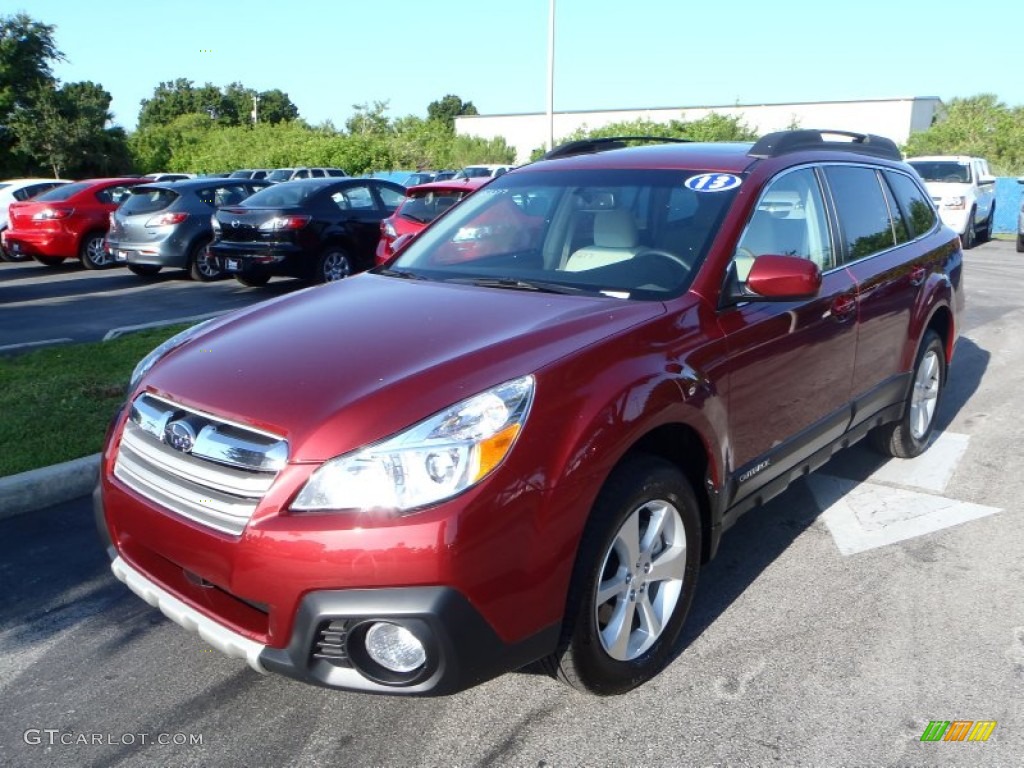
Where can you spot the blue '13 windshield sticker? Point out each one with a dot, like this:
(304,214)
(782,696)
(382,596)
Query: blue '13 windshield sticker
(712,182)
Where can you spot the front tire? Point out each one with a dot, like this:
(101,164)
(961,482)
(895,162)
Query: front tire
(92,252)
(909,437)
(633,582)
(970,237)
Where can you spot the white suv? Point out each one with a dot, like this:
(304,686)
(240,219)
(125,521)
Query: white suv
(964,191)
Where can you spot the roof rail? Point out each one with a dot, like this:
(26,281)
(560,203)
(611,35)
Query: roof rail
(783,142)
(590,146)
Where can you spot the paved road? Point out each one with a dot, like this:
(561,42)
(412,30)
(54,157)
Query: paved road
(795,653)
(40,305)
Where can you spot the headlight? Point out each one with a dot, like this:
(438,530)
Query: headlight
(955,203)
(427,463)
(175,341)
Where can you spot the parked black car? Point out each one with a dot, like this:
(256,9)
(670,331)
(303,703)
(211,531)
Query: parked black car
(168,225)
(317,229)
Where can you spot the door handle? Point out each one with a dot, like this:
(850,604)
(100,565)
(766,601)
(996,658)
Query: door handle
(842,308)
(917,274)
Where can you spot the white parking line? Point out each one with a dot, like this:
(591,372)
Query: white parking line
(27,344)
(899,501)
(113,333)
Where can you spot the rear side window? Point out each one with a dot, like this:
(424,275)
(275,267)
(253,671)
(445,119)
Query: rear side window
(227,194)
(148,201)
(336,172)
(916,205)
(62,193)
(116,195)
(863,214)
(390,198)
(354,199)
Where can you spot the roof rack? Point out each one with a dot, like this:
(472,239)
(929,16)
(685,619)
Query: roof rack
(590,146)
(784,142)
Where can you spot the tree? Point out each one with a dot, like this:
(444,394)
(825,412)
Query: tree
(65,128)
(276,107)
(978,125)
(712,127)
(446,109)
(369,120)
(27,51)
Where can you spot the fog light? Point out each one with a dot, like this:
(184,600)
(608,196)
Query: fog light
(395,648)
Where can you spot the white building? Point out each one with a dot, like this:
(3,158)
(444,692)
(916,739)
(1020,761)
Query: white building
(893,118)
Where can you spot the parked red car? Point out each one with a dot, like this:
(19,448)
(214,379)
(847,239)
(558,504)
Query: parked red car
(423,203)
(68,222)
(415,479)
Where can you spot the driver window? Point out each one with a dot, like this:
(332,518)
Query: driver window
(789,221)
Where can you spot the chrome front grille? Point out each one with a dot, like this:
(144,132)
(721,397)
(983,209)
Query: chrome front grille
(196,465)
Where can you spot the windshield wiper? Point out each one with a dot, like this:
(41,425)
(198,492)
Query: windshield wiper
(519,285)
(402,273)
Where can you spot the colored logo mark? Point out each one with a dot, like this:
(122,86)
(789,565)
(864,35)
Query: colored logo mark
(958,730)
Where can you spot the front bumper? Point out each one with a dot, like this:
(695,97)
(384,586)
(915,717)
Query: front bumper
(461,648)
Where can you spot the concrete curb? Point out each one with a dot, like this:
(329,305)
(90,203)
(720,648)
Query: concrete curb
(39,488)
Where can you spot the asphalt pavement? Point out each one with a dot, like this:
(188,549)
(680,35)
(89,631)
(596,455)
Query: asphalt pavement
(835,624)
(42,306)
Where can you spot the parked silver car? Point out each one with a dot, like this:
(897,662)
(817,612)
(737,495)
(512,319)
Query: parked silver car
(168,225)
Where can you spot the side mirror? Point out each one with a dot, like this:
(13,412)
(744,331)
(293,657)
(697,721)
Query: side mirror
(778,278)
(986,179)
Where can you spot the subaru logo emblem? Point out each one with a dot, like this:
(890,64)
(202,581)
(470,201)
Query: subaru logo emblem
(180,436)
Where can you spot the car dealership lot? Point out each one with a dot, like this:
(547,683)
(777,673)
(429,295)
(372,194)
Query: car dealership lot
(795,651)
(43,305)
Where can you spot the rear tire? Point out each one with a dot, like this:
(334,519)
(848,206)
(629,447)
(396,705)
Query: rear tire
(203,266)
(633,582)
(909,437)
(334,265)
(144,270)
(92,253)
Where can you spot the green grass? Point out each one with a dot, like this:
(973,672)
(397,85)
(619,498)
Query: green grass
(56,403)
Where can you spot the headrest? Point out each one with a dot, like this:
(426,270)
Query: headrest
(614,229)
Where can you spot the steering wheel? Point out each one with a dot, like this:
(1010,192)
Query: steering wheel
(665,255)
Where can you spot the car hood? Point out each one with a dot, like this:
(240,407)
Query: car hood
(336,367)
(946,188)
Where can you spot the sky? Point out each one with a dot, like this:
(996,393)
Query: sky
(330,55)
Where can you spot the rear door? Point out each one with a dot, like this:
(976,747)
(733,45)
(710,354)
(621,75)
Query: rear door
(361,214)
(789,363)
(883,216)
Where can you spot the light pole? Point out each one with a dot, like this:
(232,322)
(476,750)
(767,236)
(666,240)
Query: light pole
(551,76)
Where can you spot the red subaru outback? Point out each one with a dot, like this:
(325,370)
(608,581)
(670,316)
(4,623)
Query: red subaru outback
(444,469)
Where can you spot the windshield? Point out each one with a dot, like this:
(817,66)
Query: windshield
(147,201)
(627,234)
(282,196)
(473,172)
(943,170)
(424,207)
(281,174)
(61,193)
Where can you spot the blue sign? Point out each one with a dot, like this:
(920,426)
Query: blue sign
(712,182)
